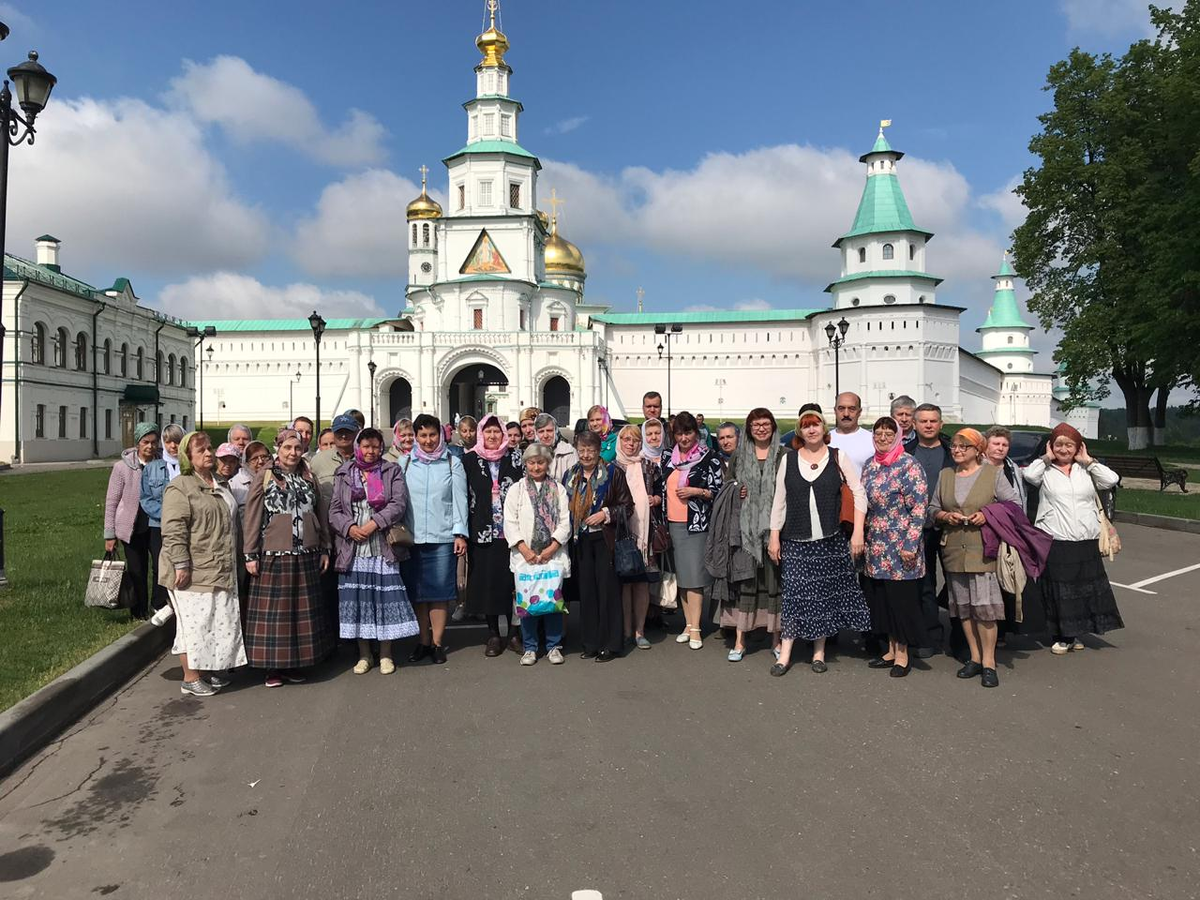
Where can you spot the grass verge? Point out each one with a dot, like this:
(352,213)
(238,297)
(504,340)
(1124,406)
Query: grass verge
(53,526)
(1160,503)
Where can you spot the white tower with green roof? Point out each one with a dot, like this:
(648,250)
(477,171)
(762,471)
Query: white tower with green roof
(1005,334)
(883,253)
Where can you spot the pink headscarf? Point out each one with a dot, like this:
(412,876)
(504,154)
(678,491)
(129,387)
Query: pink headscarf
(499,452)
(372,491)
(440,451)
(886,459)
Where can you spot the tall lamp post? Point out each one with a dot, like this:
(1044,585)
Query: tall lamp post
(318,329)
(207,332)
(667,332)
(602,362)
(291,399)
(719,384)
(837,337)
(371,367)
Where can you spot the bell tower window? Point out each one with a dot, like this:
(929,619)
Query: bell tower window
(485,193)
(425,234)
(912,251)
(889,252)
(862,254)
(477,319)
(514,195)
(414,234)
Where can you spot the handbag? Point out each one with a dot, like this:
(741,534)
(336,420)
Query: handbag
(627,558)
(846,506)
(668,591)
(462,574)
(660,535)
(1110,541)
(399,536)
(104,582)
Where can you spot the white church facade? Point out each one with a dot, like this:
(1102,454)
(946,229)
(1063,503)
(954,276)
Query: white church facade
(495,319)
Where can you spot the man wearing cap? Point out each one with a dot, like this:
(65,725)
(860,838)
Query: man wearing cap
(325,462)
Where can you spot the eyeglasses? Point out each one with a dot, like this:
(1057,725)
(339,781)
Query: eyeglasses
(961,448)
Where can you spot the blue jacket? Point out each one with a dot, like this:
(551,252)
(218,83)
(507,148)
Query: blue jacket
(437,499)
(155,479)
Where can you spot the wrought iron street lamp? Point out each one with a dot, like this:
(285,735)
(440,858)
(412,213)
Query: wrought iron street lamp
(666,332)
(207,332)
(318,328)
(837,337)
(371,370)
(291,398)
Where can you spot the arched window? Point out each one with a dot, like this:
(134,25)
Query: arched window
(38,349)
(183,382)
(140,364)
(158,367)
(123,360)
(81,346)
(889,252)
(60,348)
(106,358)
(890,298)
(862,254)
(425,234)
(912,251)
(414,231)
(171,369)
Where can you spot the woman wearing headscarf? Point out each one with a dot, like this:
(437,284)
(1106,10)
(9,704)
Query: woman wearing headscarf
(821,593)
(126,521)
(155,478)
(599,500)
(652,453)
(437,519)
(463,438)
(1075,588)
(199,568)
(692,476)
(286,545)
(974,590)
(753,466)
(547,432)
(369,497)
(537,527)
(490,474)
(403,438)
(599,422)
(653,441)
(646,489)
(896,502)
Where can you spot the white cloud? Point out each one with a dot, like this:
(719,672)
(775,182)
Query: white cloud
(16,20)
(251,106)
(565,126)
(125,184)
(228,295)
(1112,18)
(753,305)
(1006,204)
(358,227)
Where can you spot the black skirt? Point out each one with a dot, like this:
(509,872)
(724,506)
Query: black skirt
(896,610)
(1075,591)
(490,584)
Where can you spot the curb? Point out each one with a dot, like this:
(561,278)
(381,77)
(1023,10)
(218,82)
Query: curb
(1169,523)
(31,724)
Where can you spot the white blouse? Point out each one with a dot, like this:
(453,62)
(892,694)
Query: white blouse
(809,474)
(1067,505)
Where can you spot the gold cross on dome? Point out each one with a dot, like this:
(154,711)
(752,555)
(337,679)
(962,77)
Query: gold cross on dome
(424,170)
(555,203)
(492,7)
(640,295)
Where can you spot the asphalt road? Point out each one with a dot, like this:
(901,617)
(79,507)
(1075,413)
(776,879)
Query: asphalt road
(670,774)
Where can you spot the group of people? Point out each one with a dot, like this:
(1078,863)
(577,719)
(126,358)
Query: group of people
(268,557)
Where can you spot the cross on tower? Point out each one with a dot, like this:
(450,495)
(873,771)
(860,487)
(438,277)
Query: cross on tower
(424,170)
(492,7)
(555,203)
(640,294)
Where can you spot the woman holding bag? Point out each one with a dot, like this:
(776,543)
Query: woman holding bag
(644,478)
(600,501)
(537,527)
(369,497)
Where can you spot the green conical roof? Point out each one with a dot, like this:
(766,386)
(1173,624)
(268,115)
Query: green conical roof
(882,208)
(1006,271)
(881,146)
(1005,313)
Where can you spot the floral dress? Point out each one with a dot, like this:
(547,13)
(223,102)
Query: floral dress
(896,503)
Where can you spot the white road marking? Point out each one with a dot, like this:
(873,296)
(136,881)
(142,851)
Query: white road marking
(1146,581)
(1133,587)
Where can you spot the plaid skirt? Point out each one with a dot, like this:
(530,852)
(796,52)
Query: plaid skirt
(287,626)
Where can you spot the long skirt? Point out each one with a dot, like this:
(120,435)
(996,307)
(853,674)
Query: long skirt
(601,615)
(490,587)
(431,573)
(821,593)
(688,550)
(373,603)
(1075,590)
(896,609)
(208,628)
(287,626)
(757,603)
(975,596)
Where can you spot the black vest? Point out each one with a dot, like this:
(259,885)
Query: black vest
(797,525)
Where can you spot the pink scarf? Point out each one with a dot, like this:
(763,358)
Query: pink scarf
(491,455)
(439,452)
(683,462)
(639,522)
(372,491)
(886,459)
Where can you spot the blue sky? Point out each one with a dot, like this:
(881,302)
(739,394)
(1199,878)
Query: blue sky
(253,159)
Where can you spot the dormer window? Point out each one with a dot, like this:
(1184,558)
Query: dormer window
(889,252)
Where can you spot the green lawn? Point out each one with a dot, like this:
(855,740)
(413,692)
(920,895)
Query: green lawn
(53,524)
(1166,503)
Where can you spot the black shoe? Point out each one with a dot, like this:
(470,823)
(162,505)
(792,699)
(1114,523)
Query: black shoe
(926,652)
(990,678)
(588,654)
(970,670)
(819,666)
(900,671)
(420,652)
(880,663)
(438,653)
(779,669)
(605,656)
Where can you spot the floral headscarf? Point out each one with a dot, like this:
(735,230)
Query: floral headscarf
(372,491)
(489,454)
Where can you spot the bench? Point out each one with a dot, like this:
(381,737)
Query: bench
(1147,467)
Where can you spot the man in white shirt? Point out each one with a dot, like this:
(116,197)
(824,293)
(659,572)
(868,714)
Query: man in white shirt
(856,443)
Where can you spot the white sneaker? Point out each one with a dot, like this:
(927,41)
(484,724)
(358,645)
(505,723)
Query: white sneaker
(529,658)
(163,616)
(555,656)
(1060,648)
(198,688)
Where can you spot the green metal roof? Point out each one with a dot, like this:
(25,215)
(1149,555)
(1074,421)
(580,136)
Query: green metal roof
(119,286)
(512,148)
(47,237)
(286,324)
(1006,271)
(881,146)
(19,269)
(882,208)
(1005,313)
(884,273)
(707,317)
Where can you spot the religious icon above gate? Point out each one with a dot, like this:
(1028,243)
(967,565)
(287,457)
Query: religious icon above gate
(484,258)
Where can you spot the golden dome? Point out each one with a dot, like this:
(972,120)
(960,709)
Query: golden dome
(424,207)
(562,257)
(492,43)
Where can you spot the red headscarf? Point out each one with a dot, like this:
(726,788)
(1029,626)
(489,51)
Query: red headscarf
(1062,429)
